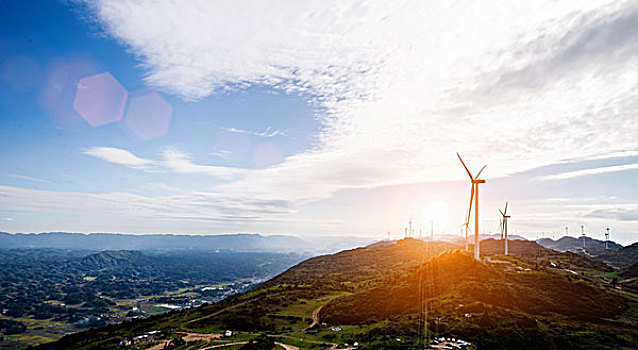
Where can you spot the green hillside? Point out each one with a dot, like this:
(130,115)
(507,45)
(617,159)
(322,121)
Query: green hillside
(398,296)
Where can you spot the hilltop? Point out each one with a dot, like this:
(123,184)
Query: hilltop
(377,294)
(113,258)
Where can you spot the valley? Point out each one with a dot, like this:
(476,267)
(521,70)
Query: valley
(48,293)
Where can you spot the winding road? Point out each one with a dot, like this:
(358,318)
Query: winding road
(315,318)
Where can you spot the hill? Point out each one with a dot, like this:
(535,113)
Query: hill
(378,294)
(110,259)
(534,252)
(620,258)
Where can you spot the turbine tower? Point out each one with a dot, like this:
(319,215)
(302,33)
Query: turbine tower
(607,239)
(410,232)
(475,182)
(582,232)
(504,226)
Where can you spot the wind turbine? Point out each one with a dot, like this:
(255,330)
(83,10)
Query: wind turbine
(475,182)
(504,226)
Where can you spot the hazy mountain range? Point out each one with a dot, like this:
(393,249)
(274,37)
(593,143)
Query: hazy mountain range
(237,242)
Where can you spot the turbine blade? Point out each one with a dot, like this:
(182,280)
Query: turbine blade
(480,171)
(462,162)
(501,212)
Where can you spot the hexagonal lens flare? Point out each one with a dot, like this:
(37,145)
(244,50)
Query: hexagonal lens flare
(148,116)
(100,99)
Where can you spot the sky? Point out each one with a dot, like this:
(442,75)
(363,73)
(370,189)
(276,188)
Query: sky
(318,117)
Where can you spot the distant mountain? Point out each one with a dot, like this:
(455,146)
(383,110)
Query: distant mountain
(616,256)
(331,244)
(461,240)
(114,241)
(498,236)
(567,243)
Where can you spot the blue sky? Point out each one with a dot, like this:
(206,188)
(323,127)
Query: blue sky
(317,118)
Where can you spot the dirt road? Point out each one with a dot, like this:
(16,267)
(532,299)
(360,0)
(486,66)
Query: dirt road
(315,318)
(286,346)
(224,345)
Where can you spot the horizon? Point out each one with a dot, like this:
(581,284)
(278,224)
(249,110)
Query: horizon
(371,239)
(326,119)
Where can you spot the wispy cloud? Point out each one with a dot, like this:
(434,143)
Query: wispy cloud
(154,186)
(621,213)
(221,154)
(593,171)
(29,178)
(171,160)
(119,156)
(268,132)
(181,163)
(129,207)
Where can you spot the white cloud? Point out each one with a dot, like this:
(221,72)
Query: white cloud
(119,156)
(268,132)
(593,171)
(181,163)
(76,207)
(221,153)
(29,178)
(172,160)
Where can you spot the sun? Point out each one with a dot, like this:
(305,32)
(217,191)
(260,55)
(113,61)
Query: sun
(435,213)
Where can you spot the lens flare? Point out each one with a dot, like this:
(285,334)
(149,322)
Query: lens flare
(100,99)
(148,116)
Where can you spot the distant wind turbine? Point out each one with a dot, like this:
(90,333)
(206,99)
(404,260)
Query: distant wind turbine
(504,227)
(475,182)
